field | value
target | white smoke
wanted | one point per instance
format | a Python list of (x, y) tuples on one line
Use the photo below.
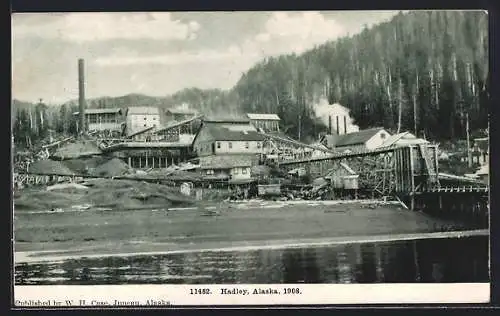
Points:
[(324, 110)]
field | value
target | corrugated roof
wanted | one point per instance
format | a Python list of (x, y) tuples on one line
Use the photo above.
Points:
[(142, 110), (99, 111), (356, 138), (225, 161), (259, 116), (221, 133)]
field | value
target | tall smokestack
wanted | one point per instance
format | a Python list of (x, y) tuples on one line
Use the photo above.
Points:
[(81, 94), (337, 117), (345, 124), (330, 124)]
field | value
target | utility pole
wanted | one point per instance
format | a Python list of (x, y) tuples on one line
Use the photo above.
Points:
[(400, 105), (469, 154), (415, 114), (81, 95), (300, 125)]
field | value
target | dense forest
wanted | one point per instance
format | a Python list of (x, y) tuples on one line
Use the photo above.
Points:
[(422, 71)]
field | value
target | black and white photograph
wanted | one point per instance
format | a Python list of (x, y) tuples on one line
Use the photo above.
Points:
[(260, 152)]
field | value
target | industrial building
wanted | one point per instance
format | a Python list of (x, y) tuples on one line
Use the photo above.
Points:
[(141, 117), (110, 119), (146, 155), (227, 137), (367, 139)]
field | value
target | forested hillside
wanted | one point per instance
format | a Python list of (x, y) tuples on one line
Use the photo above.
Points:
[(421, 71)]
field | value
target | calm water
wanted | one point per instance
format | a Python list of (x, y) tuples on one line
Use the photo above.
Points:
[(438, 260)]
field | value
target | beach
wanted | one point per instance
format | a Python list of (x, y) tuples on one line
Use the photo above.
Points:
[(90, 232)]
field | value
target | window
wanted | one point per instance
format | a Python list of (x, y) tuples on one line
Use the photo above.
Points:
[(235, 171), (210, 171), (218, 145), (144, 118), (382, 135), (246, 145), (92, 119), (244, 170), (145, 125), (230, 145), (258, 145), (154, 118)]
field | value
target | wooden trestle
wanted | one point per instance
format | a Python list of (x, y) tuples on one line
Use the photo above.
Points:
[(408, 172), (400, 171)]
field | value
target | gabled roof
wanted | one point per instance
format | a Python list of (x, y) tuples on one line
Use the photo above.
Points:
[(225, 134), (225, 161), (258, 116), (357, 138), (142, 110), (100, 111)]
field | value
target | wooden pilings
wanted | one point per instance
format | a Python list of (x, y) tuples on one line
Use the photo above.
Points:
[(472, 207)]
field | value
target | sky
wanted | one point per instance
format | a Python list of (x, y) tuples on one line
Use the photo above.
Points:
[(159, 53)]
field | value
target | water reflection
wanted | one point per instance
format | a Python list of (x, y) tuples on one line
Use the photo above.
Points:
[(439, 260)]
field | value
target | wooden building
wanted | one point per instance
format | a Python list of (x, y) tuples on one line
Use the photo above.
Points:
[(227, 137), (265, 122), (228, 167), (367, 139), (100, 120), (146, 155), (141, 117)]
